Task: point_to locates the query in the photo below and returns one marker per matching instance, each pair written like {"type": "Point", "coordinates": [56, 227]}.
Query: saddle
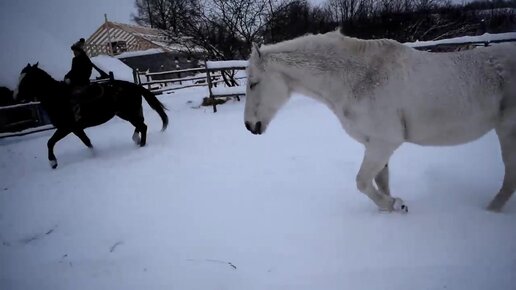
{"type": "Point", "coordinates": [88, 93]}
{"type": "Point", "coordinates": [84, 95]}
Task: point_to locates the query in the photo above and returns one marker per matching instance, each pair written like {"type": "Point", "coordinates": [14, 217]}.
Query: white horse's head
{"type": "Point", "coordinates": [266, 93]}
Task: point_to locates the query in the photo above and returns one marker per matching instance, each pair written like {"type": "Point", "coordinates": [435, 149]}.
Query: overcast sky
{"type": "Point", "coordinates": [68, 20]}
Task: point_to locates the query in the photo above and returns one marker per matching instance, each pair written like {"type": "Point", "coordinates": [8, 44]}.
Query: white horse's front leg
{"type": "Point", "coordinates": [376, 157]}
{"type": "Point", "coordinates": [382, 180]}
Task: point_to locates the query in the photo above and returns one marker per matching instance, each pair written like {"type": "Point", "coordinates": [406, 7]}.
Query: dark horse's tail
{"type": "Point", "coordinates": [155, 104]}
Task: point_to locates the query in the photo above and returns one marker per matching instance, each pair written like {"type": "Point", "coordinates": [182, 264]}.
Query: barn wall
{"type": "Point", "coordinates": [162, 62]}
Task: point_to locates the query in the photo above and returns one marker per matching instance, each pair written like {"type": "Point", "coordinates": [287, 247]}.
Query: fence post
{"type": "Point", "coordinates": [148, 80]}
{"type": "Point", "coordinates": [208, 79]}
{"type": "Point", "coordinates": [178, 67]}
{"type": "Point", "coordinates": [135, 76]}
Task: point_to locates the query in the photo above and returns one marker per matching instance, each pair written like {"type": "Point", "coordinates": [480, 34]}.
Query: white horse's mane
{"type": "Point", "coordinates": [311, 39]}
{"type": "Point", "coordinates": [331, 51]}
{"type": "Point", "coordinates": [320, 43]}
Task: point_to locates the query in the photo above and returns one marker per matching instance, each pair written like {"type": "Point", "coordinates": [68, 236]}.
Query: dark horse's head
{"type": "Point", "coordinates": [33, 81]}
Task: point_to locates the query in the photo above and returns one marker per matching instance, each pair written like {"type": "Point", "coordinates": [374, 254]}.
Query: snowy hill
{"type": "Point", "coordinates": [206, 205]}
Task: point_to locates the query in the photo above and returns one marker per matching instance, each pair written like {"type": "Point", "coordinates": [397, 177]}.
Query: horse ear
{"type": "Point", "coordinates": [28, 66]}
{"type": "Point", "coordinates": [256, 50]}
{"type": "Point", "coordinates": [36, 65]}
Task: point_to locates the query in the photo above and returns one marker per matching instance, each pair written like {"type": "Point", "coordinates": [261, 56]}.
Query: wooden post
{"type": "Point", "coordinates": [108, 28]}
{"type": "Point", "coordinates": [208, 79]}
{"type": "Point", "coordinates": [148, 80]}
{"type": "Point", "coordinates": [135, 76]}
{"type": "Point", "coordinates": [37, 115]}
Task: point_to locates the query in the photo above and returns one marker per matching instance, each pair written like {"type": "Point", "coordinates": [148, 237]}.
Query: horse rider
{"type": "Point", "coordinates": [79, 76]}
{"type": "Point", "coordinates": [82, 66]}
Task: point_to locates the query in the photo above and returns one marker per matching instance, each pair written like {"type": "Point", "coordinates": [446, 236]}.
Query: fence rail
{"type": "Point", "coordinates": [428, 45]}
{"type": "Point", "coordinates": [27, 131]}
{"type": "Point", "coordinates": [214, 71]}
{"type": "Point", "coordinates": [10, 107]}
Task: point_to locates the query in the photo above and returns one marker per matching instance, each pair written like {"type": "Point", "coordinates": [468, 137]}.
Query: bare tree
{"type": "Point", "coordinates": [344, 10]}
{"type": "Point", "coordinates": [165, 14]}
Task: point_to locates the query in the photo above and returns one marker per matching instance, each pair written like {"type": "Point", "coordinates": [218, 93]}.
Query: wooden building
{"type": "Point", "coordinates": [142, 48]}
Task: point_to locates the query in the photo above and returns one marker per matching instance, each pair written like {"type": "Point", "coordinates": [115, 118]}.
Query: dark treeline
{"type": "Point", "coordinates": [227, 28]}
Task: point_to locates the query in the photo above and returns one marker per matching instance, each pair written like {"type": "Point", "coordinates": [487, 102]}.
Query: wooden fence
{"type": "Point", "coordinates": [35, 119]}
{"type": "Point", "coordinates": [21, 116]}
{"type": "Point", "coordinates": [213, 67]}
{"type": "Point", "coordinates": [212, 76]}
{"type": "Point", "coordinates": [163, 85]}
{"type": "Point", "coordinates": [435, 46]}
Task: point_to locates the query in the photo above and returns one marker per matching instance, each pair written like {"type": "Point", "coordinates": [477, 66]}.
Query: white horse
{"type": "Point", "coordinates": [385, 93]}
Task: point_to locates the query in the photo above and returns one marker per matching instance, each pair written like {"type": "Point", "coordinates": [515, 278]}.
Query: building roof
{"type": "Point", "coordinates": [136, 38]}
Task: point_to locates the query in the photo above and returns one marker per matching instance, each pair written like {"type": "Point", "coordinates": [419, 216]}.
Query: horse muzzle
{"type": "Point", "coordinates": [256, 128]}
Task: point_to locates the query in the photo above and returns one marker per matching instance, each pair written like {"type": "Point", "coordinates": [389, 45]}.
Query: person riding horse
{"type": "Point", "coordinates": [80, 73]}
{"type": "Point", "coordinates": [79, 76]}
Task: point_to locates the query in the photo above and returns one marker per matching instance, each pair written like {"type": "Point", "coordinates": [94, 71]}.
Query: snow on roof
{"type": "Point", "coordinates": [120, 70]}
{"type": "Point", "coordinates": [140, 52]}
{"type": "Point", "coordinates": [486, 37]}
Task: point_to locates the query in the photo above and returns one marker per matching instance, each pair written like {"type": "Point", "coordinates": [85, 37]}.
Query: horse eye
{"type": "Point", "coordinates": [253, 85]}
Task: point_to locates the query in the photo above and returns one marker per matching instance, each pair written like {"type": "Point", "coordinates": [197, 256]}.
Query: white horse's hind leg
{"type": "Point", "coordinates": [376, 156]}
{"type": "Point", "coordinates": [507, 136]}
{"type": "Point", "coordinates": [382, 180]}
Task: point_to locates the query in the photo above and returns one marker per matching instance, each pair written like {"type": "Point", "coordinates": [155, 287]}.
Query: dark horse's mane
{"type": "Point", "coordinates": [73, 109]}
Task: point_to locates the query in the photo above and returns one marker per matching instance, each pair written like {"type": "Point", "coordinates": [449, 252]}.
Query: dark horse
{"type": "Point", "coordinates": [71, 112]}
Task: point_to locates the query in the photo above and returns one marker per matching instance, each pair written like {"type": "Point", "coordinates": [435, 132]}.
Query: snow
{"type": "Point", "coordinates": [486, 37]}
{"type": "Point", "coordinates": [27, 131]}
{"type": "Point", "coordinates": [207, 205]}
{"type": "Point", "coordinates": [225, 91]}
{"type": "Point", "coordinates": [140, 53]}
{"type": "Point", "coordinates": [108, 63]}
{"type": "Point", "coordinates": [226, 64]}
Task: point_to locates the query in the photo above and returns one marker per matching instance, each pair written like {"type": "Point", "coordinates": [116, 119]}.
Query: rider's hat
{"type": "Point", "coordinates": [79, 45]}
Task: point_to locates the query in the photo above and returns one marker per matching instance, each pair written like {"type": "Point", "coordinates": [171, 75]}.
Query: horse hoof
{"type": "Point", "coordinates": [399, 205]}
{"type": "Point", "coordinates": [53, 164]}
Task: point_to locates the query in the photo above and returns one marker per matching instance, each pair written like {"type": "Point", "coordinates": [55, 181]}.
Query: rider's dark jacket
{"type": "Point", "coordinates": [80, 73]}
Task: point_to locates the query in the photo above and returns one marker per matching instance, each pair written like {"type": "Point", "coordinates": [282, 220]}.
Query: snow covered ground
{"type": "Point", "coordinates": [207, 205]}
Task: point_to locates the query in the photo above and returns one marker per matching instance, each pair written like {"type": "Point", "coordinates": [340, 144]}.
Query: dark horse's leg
{"type": "Point", "coordinates": [139, 126]}
{"type": "Point", "coordinates": [137, 121]}
{"type": "Point", "coordinates": [82, 135]}
{"type": "Point", "coordinates": [59, 134]}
